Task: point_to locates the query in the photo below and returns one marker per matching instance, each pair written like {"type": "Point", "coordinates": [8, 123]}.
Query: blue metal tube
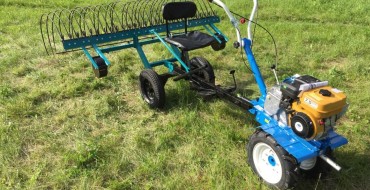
{"type": "Point", "coordinates": [255, 69]}
{"type": "Point", "coordinates": [101, 54]}
{"type": "Point", "coordinates": [172, 51]}
{"type": "Point", "coordinates": [162, 62]}
{"type": "Point", "coordinates": [141, 53]}
{"type": "Point", "coordinates": [88, 55]}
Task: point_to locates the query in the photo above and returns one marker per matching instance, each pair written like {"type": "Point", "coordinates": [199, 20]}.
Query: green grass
{"type": "Point", "coordinates": [60, 128]}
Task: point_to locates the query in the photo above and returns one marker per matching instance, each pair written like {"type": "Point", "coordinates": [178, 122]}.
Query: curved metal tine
{"type": "Point", "coordinates": [57, 26]}
{"type": "Point", "coordinates": [69, 29]}
{"type": "Point", "coordinates": [111, 11]}
{"type": "Point", "coordinates": [203, 12]}
{"type": "Point", "coordinates": [149, 13]}
{"type": "Point", "coordinates": [159, 10]}
{"type": "Point", "coordinates": [98, 23]}
{"type": "Point", "coordinates": [136, 13]}
{"type": "Point", "coordinates": [78, 20]}
{"type": "Point", "coordinates": [48, 33]}
{"type": "Point", "coordinates": [94, 15]}
{"type": "Point", "coordinates": [42, 33]}
{"type": "Point", "coordinates": [115, 17]}
{"type": "Point", "coordinates": [90, 17]}
{"type": "Point", "coordinates": [213, 13]}
{"type": "Point", "coordinates": [70, 23]}
{"type": "Point", "coordinates": [106, 18]}
{"type": "Point", "coordinates": [129, 17]}
{"type": "Point", "coordinates": [88, 21]}
{"type": "Point", "coordinates": [124, 12]}
{"type": "Point", "coordinates": [61, 23]}
{"type": "Point", "coordinates": [101, 18]}
{"type": "Point", "coordinates": [155, 20]}
{"type": "Point", "coordinates": [53, 33]}
{"type": "Point", "coordinates": [208, 7]}
{"type": "Point", "coordinates": [84, 22]}
{"type": "Point", "coordinates": [121, 10]}
{"type": "Point", "coordinates": [147, 17]}
{"type": "Point", "coordinates": [141, 13]}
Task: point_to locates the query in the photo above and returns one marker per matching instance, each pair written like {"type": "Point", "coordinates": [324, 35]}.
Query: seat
{"type": "Point", "coordinates": [189, 40]}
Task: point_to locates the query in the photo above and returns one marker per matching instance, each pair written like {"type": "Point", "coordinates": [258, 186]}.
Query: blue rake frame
{"type": "Point", "coordinates": [134, 41]}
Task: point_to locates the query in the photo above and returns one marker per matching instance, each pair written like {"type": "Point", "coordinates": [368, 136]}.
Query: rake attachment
{"type": "Point", "coordinates": [104, 24]}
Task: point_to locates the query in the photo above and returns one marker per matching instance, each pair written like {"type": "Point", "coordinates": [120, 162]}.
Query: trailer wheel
{"type": "Point", "coordinates": [152, 89]}
{"type": "Point", "coordinates": [207, 73]}
{"type": "Point", "coordinates": [311, 169]}
{"type": "Point", "coordinates": [219, 46]}
{"type": "Point", "coordinates": [271, 162]}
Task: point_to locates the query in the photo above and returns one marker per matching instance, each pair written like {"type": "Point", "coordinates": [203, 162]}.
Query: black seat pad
{"type": "Point", "coordinates": [191, 41]}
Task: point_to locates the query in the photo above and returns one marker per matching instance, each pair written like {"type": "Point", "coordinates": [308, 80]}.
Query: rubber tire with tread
{"type": "Point", "coordinates": [219, 46]}
{"type": "Point", "coordinates": [152, 89]}
{"type": "Point", "coordinates": [102, 70]}
{"type": "Point", "coordinates": [290, 175]}
{"type": "Point", "coordinates": [207, 74]}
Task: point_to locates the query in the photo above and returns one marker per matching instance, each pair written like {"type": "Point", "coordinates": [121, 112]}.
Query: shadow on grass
{"type": "Point", "coordinates": [182, 96]}
{"type": "Point", "coordinates": [354, 174]}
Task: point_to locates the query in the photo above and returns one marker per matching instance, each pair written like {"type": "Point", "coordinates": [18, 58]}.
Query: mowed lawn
{"type": "Point", "coordinates": [61, 128]}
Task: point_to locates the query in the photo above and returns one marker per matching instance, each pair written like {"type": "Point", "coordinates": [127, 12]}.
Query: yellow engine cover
{"type": "Point", "coordinates": [318, 106]}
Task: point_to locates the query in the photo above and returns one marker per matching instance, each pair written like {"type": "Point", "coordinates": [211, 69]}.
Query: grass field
{"type": "Point", "coordinates": [61, 128]}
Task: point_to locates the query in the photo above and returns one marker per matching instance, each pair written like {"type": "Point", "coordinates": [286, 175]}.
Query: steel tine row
{"type": "Point", "coordinates": [65, 24]}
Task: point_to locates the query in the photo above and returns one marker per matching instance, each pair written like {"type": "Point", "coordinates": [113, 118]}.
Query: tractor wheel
{"type": "Point", "coordinates": [152, 89]}
{"type": "Point", "coordinates": [271, 162]}
{"type": "Point", "coordinates": [312, 168]}
{"type": "Point", "coordinates": [207, 74]}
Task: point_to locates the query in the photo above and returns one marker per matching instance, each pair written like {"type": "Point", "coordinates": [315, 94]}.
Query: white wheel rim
{"type": "Point", "coordinates": [267, 163]}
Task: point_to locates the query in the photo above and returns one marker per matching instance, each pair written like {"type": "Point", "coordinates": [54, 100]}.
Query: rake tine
{"type": "Point", "coordinates": [141, 14]}
{"type": "Point", "coordinates": [52, 33]}
{"type": "Point", "coordinates": [112, 12]}
{"type": "Point", "coordinates": [53, 25]}
{"type": "Point", "coordinates": [153, 8]}
{"type": "Point", "coordinates": [136, 14]}
{"type": "Point", "coordinates": [124, 14]}
{"type": "Point", "coordinates": [131, 23]}
{"type": "Point", "coordinates": [159, 8]}
{"type": "Point", "coordinates": [75, 12]}
{"type": "Point", "coordinates": [42, 33]}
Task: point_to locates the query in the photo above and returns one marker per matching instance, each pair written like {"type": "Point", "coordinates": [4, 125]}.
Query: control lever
{"type": "Point", "coordinates": [232, 72]}
{"type": "Point", "coordinates": [273, 68]}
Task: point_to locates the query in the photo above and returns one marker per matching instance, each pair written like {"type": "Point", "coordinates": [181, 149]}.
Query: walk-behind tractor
{"type": "Point", "coordinates": [297, 116]}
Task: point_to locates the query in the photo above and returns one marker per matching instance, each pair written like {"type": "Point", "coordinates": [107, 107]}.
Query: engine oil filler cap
{"type": "Point", "coordinates": [325, 92]}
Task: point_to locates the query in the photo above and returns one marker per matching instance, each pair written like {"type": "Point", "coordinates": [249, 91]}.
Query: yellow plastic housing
{"type": "Point", "coordinates": [319, 107]}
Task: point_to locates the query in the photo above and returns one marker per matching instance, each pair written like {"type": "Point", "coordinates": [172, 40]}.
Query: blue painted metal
{"type": "Point", "coordinates": [170, 66]}
{"type": "Point", "coordinates": [271, 160]}
{"type": "Point", "coordinates": [141, 53]}
{"type": "Point", "coordinates": [162, 62]}
{"type": "Point", "coordinates": [88, 55]}
{"type": "Point", "coordinates": [212, 34]}
{"type": "Point", "coordinates": [254, 67]}
{"type": "Point", "coordinates": [173, 52]}
{"type": "Point", "coordinates": [300, 148]}
{"type": "Point", "coordinates": [133, 41]}
{"type": "Point", "coordinates": [101, 54]}
{"type": "Point", "coordinates": [127, 34]}
{"type": "Point", "coordinates": [218, 31]}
